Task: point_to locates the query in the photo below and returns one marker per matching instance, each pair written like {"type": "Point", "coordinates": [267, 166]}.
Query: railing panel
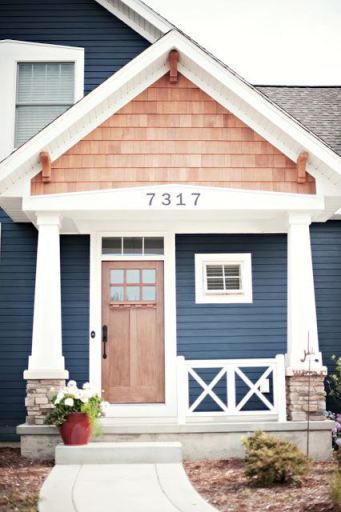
{"type": "Point", "coordinates": [231, 387]}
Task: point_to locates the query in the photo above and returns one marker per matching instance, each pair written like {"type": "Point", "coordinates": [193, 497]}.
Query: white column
{"type": "Point", "coordinates": [46, 360]}
{"type": "Point", "coordinates": [302, 322]}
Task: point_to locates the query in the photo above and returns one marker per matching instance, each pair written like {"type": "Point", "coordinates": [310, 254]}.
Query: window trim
{"type": "Point", "coordinates": [14, 52]}
{"type": "Point", "coordinates": [204, 296]}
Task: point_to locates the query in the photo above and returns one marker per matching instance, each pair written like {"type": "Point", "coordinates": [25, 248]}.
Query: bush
{"type": "Point", "coordinates": [270, 460]}
{"type": "Point", "coordinates": [335, 490]}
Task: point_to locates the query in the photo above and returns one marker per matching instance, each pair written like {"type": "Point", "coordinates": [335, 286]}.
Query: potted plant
{"type": "Point", "coordinates": [75, 412]}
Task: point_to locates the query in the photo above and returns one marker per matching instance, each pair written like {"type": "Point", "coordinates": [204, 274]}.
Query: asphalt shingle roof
{"type": "Point", "coordinates": [317, 108]}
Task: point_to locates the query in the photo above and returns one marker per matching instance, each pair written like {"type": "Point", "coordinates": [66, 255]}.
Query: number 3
{"type": "Point", "coordinates": [166, 199]}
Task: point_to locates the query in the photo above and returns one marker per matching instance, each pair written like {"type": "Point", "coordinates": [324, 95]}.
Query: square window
{"type": "Point", "coordinates": [223, 278]}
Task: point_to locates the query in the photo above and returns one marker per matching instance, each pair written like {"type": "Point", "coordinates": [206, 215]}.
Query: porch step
{"type": "Point", "coordinates": [119, 453]}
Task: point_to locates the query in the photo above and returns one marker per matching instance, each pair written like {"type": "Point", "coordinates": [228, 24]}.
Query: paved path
{"type": "Point", "coordinates": [120, 487]}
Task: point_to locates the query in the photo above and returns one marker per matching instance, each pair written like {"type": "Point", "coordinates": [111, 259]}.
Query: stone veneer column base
{"type": "Point", "coordinates": [38, 393]}
{"type": "Point", "coordinates": [301, 402]}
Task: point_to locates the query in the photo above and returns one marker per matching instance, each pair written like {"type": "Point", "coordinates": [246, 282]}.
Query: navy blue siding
{"type": "Point", "coordinates": [109, 44]}
{"type": "Point", "coordinates": [213, 331]}
{"type": "Point", "coordinates": [326, 249]}
{"type": "Point", "coordinates": [75, 304]}
{"type": "Point", "coordinates": [17, 276]}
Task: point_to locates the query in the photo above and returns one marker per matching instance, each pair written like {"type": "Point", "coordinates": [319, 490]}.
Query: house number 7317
{"type": "Point", "coordinates": [165, 199]}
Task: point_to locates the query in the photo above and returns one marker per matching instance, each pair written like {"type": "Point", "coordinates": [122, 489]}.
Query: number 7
{"type": "Point", "coordinates": [152, 195]}
{"type": "Point", "coordinates": [197, 194]}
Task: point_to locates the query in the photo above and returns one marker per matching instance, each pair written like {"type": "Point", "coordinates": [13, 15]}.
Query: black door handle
{"type": "Point", "coordinates": [104, 339]}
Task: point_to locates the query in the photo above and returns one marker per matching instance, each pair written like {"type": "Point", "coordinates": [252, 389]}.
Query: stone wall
{"type": "Point", "coordinates": [37, 398]}
{"type": "Point", "coordinates": [305, 396]}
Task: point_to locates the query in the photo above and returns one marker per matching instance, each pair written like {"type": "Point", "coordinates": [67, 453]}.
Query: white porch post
{"type": "Point", "coordinates": [302, 322]}
{"type": "Point", "coordinates": [305, 373]}
{"type": "Point", "coordinates": [46, 360]}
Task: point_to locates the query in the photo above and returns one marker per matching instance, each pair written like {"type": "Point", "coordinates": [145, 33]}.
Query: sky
{"type": "Point", "coordinates": [274, 42]}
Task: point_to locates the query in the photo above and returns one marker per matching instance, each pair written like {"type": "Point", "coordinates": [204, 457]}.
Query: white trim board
{"type": "Point", "coordinates": [95, 344]}
{"type": "Point", "coordinates": [138, 16]}
{"type": "Point", "coordinates": [215, 79]}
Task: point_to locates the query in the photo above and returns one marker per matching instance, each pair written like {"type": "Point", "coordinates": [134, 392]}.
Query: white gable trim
{"type": "Point", "coordinates": [138, 16]}
{"type": "Point", "coordinates": [214, 78]}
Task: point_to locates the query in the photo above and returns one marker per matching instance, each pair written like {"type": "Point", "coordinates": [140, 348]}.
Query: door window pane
{"type": "Point", "coordinates": [148, 275]}
{"type": "Point", "coordinates": [153, 245]}
{"type": "Point", "coordinates": [148, 293]}
{"type": "Point", "coordinates": [133, 293]}
{"type": "Point", "coordinates": [132, 245]}
{"type": "Point", "coordinates": [116, 276]}
{"type": "Point", "coordinates": [116, 293]}
{"type": "Point", "coordinates": [133, 276]}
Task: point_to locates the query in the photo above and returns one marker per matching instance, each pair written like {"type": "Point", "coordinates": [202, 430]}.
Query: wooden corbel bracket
{"type": "Point", "coordinates": [173, 66]}
{"type": "Point", "coordinates": [301, 167]}
{"type": "Point", "coordinates": [45, 161]}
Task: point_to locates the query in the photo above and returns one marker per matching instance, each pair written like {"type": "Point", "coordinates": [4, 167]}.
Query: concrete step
{"type": "Point", "coordinates": [119, 453]}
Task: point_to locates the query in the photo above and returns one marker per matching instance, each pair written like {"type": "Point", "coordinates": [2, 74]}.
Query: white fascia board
{"type": "Point", "coordinates": [138, 16]}
{"type": "Point", "coordinates": [138, 199]}
{"type": "Point", "coordinates": [219, 82]}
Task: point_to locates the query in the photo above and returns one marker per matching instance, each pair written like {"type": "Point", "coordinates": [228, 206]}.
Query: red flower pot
{"type": "Point", "coordinates": [76, 429]}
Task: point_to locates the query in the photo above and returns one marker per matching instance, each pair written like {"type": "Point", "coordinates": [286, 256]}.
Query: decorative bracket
{"type": "Point", "coordinates": [173, 66]}
{"type": "Point", "coordinates": [301, 167]}
{"type": "Point", "coordinates": [45, 160]}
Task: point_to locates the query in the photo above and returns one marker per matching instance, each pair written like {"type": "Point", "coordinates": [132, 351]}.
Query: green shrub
{"type": "Point", "coordinates": [270, 460]}
{"type": "Point", "coordinates": [335, 490]}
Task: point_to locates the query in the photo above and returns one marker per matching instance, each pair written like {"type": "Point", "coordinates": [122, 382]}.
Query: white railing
{"type": "Point", "coordinates": [268, 387]}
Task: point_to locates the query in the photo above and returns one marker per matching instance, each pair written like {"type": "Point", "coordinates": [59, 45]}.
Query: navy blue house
{"type": "Point", "coordinates": [148, 192]}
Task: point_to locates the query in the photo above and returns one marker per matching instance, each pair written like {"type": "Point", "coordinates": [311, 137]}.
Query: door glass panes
{"type": "Point", "coordinates": [148, 276]}
{"type": "Point", "coordinates": [153, 245]}
{"type": "Point", "coordinates": [148, 293]}
{"type": "Point", "coordinates": [130, 285]}
{"type": "Point", "coordinates": [117, 276]}
{"type": "Point", "coordinates": [133, 293]}
{"type": "Point", "coordinates": [133, 276]}
{"type": "Point", "coordinates": [117, 293]}
{"type": "Point", "coordinates": [133, 246]}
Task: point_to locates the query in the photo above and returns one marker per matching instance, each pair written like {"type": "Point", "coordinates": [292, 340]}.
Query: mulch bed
{"type": "Point", "coordinates": [20, 481]}
{"type": "Point", "coordinates": [224, 485]}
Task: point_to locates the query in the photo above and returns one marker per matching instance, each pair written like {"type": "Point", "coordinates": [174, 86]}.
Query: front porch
{"type": "Point", "coordinates": [216, 384]}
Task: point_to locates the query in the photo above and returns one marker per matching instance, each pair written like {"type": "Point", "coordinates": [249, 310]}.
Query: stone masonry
{"type": "Point", "coordinates": [38, 393]}
{"type": "Point", "coordinates": [301, 402]}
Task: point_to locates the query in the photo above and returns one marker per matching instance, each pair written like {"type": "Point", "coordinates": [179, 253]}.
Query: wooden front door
{"type": "Point", "coordinates": [133, 325]}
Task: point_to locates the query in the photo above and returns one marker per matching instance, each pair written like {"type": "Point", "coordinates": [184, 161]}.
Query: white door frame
{"type": "Point", "coordinates": [95, 344]}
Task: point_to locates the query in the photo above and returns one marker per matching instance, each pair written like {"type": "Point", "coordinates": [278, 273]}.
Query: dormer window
{"type": "Point", "coordinates": [44, 91]}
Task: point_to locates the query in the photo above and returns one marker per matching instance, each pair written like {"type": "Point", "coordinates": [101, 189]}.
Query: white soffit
{"type": "Point", "coordinates": [138, 16]}
{"type": "Point", "coordinates": [209, 74]}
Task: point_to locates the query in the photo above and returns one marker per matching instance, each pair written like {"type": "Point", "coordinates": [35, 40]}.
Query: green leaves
{"type": "Point", "coordinates": [271, 460]}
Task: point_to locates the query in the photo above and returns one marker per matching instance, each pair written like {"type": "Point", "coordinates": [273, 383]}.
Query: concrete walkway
{"type": "Point", "coordinates": [103, 481]}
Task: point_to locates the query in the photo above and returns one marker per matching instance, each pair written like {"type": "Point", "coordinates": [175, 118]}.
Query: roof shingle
{"type": "Point", "coordinates": [317, 108]}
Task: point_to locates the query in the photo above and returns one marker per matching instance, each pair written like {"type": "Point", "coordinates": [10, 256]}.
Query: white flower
{"type": "Point", "coordinates": [84, 398]}
{"type": "Point", "coordinates": [72, 384]}
{"type": "Point", "coordinates": [59, 397]}
{"type": "Point", "coordinates": [104, 406]}
{"type": "Point", "coordinates": [86, 385]}
{"type": "Point", "coordinates": [69, 402]}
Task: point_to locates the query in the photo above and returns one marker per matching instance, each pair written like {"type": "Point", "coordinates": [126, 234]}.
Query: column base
{"type": "Point", "coordinates": [306, 396]}
{"type": "Point", "coordinates": [38, 394]}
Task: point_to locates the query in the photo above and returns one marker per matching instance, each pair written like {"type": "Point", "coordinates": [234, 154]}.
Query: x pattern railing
{"type": "Point", "coordinates": [271, 370]}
